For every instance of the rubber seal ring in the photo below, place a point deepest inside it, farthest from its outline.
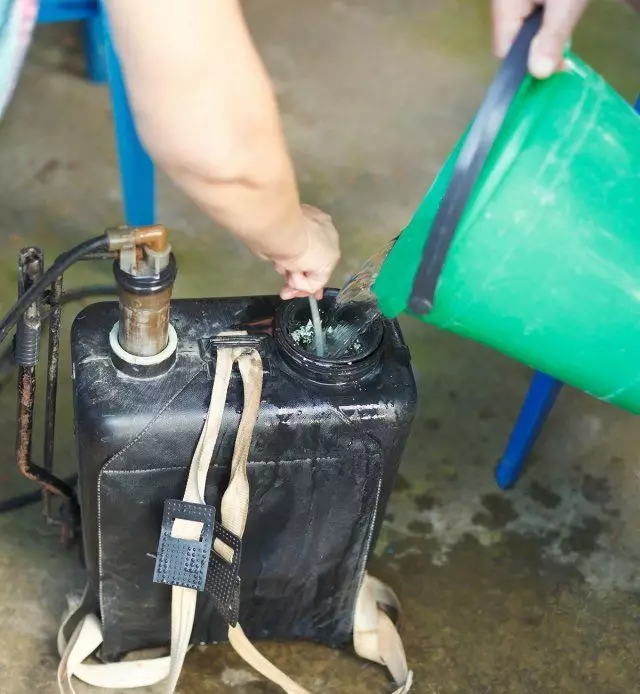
(135, 360)
(471, 160)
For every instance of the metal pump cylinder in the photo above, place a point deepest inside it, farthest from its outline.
(145, 273)
(143, 329)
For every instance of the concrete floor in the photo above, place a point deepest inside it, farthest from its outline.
(537, 590)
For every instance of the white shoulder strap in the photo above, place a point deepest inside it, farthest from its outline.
(84, 641)
(375, 636)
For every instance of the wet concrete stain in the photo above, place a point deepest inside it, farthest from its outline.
(543, 495)
(584, 538)
(425, 502)
(420, 527)
(402, 484)
(596, 490)
(499, 512)
(490, 605)
(548, 538)
(487, 413)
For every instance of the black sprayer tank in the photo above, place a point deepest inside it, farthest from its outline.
(325, 451)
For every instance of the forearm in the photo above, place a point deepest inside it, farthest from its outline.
(205, 109)
(260, 207)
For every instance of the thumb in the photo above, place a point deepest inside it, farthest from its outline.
(547, 48)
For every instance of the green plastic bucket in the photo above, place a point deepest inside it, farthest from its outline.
(544, 264)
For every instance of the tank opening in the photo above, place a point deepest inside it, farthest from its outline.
(297, 329)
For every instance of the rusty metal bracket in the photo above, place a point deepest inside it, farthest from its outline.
(31, 266)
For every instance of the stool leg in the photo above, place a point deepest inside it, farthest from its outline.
(94, 49)
(541, 396)
(136, 168)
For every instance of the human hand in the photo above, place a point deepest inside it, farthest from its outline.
(308, 270)
(559, 21)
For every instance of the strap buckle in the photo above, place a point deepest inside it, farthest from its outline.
(181, 561)
(223, 577)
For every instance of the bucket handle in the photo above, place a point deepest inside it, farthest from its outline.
(472, 157)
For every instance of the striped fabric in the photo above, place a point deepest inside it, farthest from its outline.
(17, 21)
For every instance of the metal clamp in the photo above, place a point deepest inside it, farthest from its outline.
(250, 340)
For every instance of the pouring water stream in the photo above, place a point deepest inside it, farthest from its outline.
(317, 326)
(335, 336)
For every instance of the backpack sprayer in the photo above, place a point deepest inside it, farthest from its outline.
(227, 475)
(526, 242)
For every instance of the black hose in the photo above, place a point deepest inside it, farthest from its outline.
(23, 500)
(63, 262)
(86, 292)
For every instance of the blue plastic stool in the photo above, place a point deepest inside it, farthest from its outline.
(137, 176)
(538, 403)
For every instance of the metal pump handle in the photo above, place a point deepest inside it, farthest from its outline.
(473, 155)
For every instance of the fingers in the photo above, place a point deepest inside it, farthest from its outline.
(508, 16)
(287, 294)
(308, 273)
(302, 282)
(299, 284)
(547, 48)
